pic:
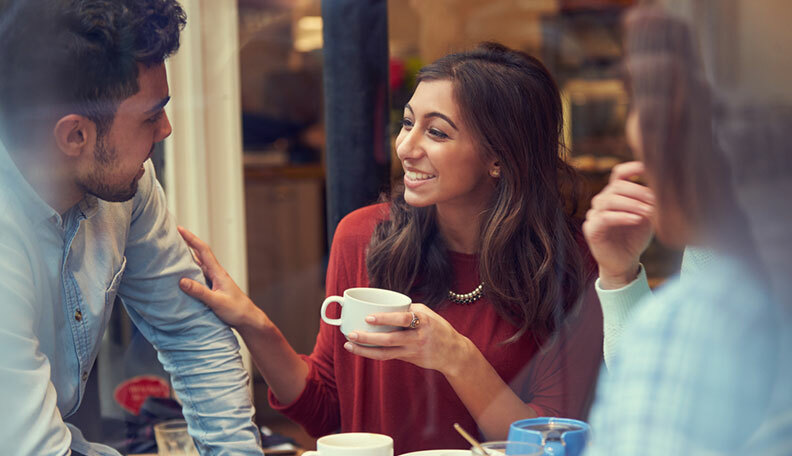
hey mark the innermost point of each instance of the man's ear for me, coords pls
(74, 134)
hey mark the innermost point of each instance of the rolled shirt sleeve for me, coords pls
(199, 351)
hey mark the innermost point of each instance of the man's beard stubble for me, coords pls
(97, 183)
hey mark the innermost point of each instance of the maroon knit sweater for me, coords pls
(416, 406)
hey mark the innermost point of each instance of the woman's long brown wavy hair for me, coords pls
(530, 255)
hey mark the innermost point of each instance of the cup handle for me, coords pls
(330, 299)
(553, 449)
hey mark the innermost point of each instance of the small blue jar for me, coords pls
(558, 436)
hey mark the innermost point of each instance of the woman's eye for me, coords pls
(437, 133)
(406, 123)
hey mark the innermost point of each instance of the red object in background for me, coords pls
(132, 393)
(396, 74)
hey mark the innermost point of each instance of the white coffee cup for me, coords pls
(353, 444)
(359, 303)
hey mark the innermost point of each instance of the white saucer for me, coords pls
(438, 453)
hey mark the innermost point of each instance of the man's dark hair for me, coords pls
(59, 57)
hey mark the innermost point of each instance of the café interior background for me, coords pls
(245, 167)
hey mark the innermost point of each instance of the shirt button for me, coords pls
(78, 315)
(85, 376)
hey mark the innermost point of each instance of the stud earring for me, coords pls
(495, 172)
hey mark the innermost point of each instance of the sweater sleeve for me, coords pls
(562, 375)
(617, 305)
(317, 408)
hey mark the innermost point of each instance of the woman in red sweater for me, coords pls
(481, 234)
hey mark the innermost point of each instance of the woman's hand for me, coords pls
(618, 226)
(225, 298)
(432, 344)
(282, 368)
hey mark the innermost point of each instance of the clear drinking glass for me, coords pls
(508, 448)
(173, 440)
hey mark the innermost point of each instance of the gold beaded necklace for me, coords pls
(467, 298)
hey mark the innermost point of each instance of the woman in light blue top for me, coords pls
(701, 366)
(618, 229)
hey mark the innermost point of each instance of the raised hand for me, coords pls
(225, 298)
(618, 226)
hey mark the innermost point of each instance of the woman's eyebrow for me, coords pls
(434, 114)
(444, 117)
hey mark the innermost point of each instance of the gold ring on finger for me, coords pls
(415, 321)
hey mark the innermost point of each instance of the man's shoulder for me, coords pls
(147, 188)
(124, 213)
(15, 225)
(20, 256)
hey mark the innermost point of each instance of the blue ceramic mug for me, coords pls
(558, 436)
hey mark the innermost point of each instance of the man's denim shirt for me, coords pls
(59, 278)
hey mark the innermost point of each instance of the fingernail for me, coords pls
(348, 346)
(184, 284)
(353, 335)
(370, 319)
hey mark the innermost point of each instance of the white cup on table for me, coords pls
(353, 444)
(358, 303)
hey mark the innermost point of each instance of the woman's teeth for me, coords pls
(413, 175)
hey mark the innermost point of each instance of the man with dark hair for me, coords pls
(83, 221)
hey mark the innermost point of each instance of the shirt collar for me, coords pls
(89, 205)
(15, 183)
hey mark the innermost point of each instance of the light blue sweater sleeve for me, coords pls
(618, 304)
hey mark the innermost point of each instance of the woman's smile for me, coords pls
(415, 179)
